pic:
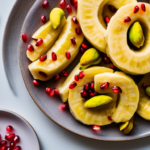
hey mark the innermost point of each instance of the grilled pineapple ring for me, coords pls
(129, 98)
(76, 102)
(92, 21)
(134, 62)
(144, 103)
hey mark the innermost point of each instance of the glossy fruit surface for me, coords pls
(43, 58)
(43, 18)
(24, 37)
(9, 128)
(10, 137)
(45, 3)
(68, 55)
(54, 56)
(69, 9)
(39, 42)
(35, 82)
(62, 4)
(30, 48)
(73, 85)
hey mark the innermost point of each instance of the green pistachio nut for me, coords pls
(98, 101)
(148, 90)
(136, 35)
(56, 17)
(90, 57)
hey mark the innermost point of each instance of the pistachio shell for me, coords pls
(136, 35)
(148, 90)
(98, 101)
(56, 17)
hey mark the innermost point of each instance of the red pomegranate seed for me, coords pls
(12, 145)
(87, 87)
(43, 58)
(17, 148)
(39, 42)
(54, 56)
(92, 85)
(30, 48)
(76, 5)
(78, 31)
(4, 148)
(96, 128)
(48, 90)
(57, 77)
(107, 20)
(112, 67)
(69, 9)
(24, 37)
(110, 118)
(82, 50)
(106, 60)
(10, 137)
(35, 82)
(144, 85)
(76, 77)
(56, 91)
(16, 139)
(74, 19)
(43, 74)
(136, 9)
(65, 73)
(84, 45)
(81, 75)
(43, 19)
(127, 19)
(143, 7)
(105, 85)
(116, 89)
(63, 106)
(68, 55)
(112, 8)
(45, 3)
(84, 94)
(52, 93)
(9, 128)
(73, 40)
(92, 94)
(72, 2)
(72, 85)
(3, 142)
(62, 4)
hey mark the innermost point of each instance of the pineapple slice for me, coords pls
(128, 99)
(92, 21)
(144, 103)
(49, 36)
(47, 69)
(134, 62)
(76, 102)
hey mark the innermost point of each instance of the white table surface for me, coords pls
(51, 136)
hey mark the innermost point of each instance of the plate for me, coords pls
(28, 137)
(50, 106)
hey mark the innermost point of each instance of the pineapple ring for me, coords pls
(76, 102)
(128, 99)
(134, 62)
(144, 103)
(92, 21)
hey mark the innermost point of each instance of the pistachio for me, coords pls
(136, 35)
(56, 17)
(98, 101)
(148, 90)
(89, 58)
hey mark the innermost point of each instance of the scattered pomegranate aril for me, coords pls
(54, 56)
(57, 77)
(24, 37)
(30, 48)
(43, 19)
(9, 128)
(76, 5)
(92, 94)
(78, 31)
(127, 19)
(105, 85)
(92, 85)
(84, 94)
(72, 2)
(72, 85)
(39, 42)
(16, 139)
(74, 19)
(68, 55)
(10, 137)
(143, 7)
(110, 118)
(12, 145)
(116, 89)
(62, 4)
(96, 128)
(3, 142)
(73, 41)
(48, 90)
(52, 93)
(4, 148)
(69, 9)
(56, 92)
(35, 82)
(106, 60)
(65, 73)
(144, 85)
(82, 50)
(112, 67)
(84, 45)
(45, 3)
(43, 58)
(43, 74)
(63, 106)
(136, 9)
(107, 20)
(81, 75)
(87, 87)
(17, 148)
(76, 77)
(112, 8)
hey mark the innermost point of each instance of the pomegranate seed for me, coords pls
(54, 56)
(30, 48)
(136, 9)
(106, 60)
(107, 20)
(45, 3)
(78, 31)
(12, 145)
(76, 77)
(39, 42)
(43, 74)
(48, 90)
(144, 85)
(24, 37)
(10, 137)
(81, 75)
(65, 73)
(112, 8)
(84, 94)
(127, 19)
(62, 4)
(96, 128)
(72, 2)
(17, 148)
(92, 85)
(56, 91)
(110, 118)
(84, 45)
(16, 139)
(82, 50)
(9, 128)
(52, 93)
(4, 148)
(2, 143)
(105, 85)
(73, 85)
(69, 9)
(43, 58)
(74, 19)
(68, 55)
(63, 106)
(143, 7)
(43, 19)
(76, 5)
(112, 67)
(73, 40)
(92, 94)
(35, 82)
(87, 87)
(116, 89)
(57, 77)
